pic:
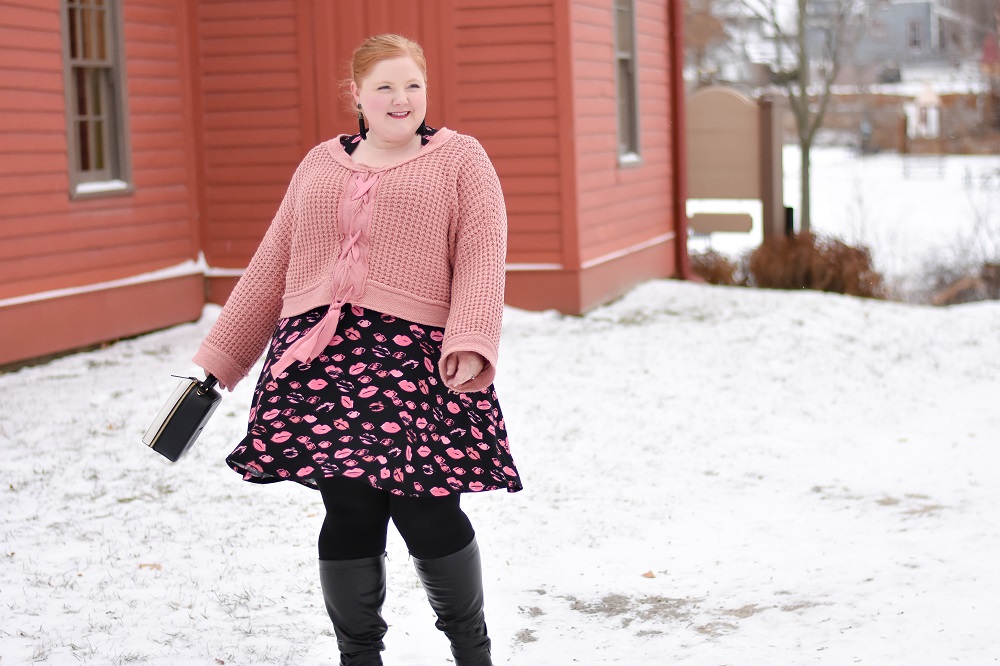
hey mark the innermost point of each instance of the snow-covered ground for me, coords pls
(713, 476)
(912, 212)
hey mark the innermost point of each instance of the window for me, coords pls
(98, 158)
(914, 34)
(625, 72)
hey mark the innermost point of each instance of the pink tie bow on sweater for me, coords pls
(349, 274)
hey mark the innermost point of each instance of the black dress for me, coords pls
(371, 406)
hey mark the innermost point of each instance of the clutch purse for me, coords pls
(181, 420)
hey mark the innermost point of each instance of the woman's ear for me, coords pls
(354, 93)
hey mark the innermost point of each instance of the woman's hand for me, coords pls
(462, 367)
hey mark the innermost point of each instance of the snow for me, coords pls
(803, 478)
(911, 211)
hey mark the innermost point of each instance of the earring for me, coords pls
(361, 124)
(422, 130)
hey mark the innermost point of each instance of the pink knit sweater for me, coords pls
(424, 240)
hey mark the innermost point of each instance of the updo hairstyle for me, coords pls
(384, 47)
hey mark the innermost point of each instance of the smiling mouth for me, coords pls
(398, 114)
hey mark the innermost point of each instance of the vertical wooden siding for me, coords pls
(504, 80)
(48, 241)
(621, 206)
(254, 126)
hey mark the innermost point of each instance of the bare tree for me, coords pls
(812, 39)
(716, 34)
(703, 32)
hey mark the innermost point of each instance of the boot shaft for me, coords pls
(354, 591)
(454, 587)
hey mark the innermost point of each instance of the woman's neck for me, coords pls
(376, 153)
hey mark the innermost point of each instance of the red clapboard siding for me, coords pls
(620, 206)
(25, 60)
(106, 261)
(47, 239)
(540, 14)
(514, 72)
(70, 242)
(22, 81)
(236, 44)
(41, 162)
(506, 96)
(250, 82)
(254, 62)
(37, 18)
(35, 183)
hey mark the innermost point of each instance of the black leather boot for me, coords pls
(354, 591)
(454, 586)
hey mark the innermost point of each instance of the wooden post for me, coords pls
(771, 168)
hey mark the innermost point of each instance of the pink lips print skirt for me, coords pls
(372, 407)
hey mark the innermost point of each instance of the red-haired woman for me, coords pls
(377, 294)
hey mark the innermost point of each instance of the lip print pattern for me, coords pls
(373, 407)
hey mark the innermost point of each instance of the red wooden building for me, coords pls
(145, 144)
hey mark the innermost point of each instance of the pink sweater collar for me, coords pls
(336, 151)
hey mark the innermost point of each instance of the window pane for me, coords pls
(98, 144)
(80, 83)
(623, 28)
(624, 95)
(86, 23)
(83, 139)
(74, 36)
(624, 25)
(96, 98)
(100, 33)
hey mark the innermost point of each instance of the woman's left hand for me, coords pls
(462, 367)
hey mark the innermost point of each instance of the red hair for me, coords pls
(385, 47)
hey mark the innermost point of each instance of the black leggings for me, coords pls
(357, 519)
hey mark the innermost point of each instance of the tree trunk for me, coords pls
(804, 206)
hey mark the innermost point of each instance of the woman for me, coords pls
(380, 283)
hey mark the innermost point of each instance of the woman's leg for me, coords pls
(357, 517)
(431, 526)
(352, 567)
(440, 537)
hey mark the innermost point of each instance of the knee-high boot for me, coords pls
(354, 591)
(454, 586)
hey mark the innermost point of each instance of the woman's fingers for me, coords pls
(461, 368)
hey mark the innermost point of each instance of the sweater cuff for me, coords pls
(214, 362)
(474, 342)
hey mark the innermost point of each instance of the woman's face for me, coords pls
(393, 98)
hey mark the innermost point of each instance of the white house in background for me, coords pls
(913, 39)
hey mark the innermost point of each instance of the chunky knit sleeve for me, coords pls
(479, 252)
(246, 322)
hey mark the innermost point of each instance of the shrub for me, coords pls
(806, 261)
(951, 286)
(716, 268)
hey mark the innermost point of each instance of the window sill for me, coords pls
(101, 188)
(629, 160)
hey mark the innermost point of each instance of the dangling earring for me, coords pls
(422, 130)
(361, 124)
